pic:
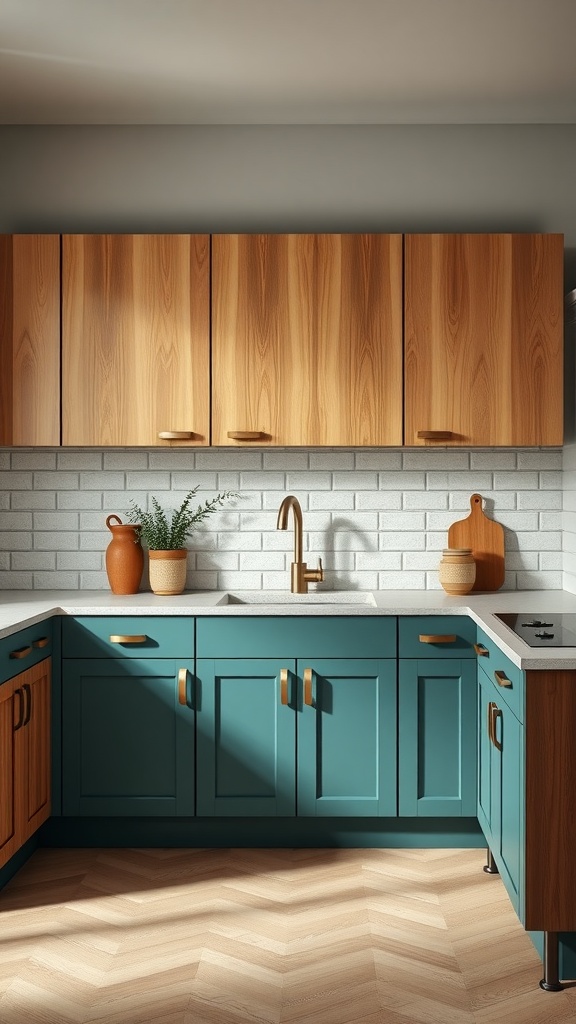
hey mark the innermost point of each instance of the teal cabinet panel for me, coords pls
(347, 739)
(246, 737)
(127, 743)
(504, 673)
(317, 636)
(25, 648)
(501, 786)
(437, 738)
(164, 636)
(416, 635)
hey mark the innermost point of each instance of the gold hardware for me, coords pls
(440, 638)
(491, 706)
(502, 679)
(308, 687)
(120, 638)
(481, 651)
(283, 685)
(434, 435)
(245, 435)
(43, 641)
(496, 713)
(28, 694)
(21, 652)
(183, 686)
(175, 435)
(300, 574)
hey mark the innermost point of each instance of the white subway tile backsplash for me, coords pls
(379, 518)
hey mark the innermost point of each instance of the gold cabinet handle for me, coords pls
(490, 706)
(43, 641)
(284, 686)
(437, 638)
(175, 435)
(134, 638)
(183, 686)
(481, 651)
(434, 435)
(502, 679)
(245, 435)
(21, 652)
(308, 687)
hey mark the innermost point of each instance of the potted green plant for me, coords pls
(165, 533)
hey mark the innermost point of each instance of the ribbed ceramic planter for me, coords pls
(457, 570)
(168, 571)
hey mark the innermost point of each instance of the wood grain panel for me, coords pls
(136, 337)
(307, 338)
(30, 340)
(37, 738)
(550, 800)
(7, 806)
(484, 337)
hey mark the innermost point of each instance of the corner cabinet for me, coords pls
(135, 340)
(29, 340)
(128, 717)
(484, 339)
(294, 731)
(307, 339)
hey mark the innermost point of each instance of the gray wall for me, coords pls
(325, 177)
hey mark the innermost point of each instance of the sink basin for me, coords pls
(276, 597)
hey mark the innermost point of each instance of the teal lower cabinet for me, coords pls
(501, 785)
(286, 737)
(127, 737)
(437, 737)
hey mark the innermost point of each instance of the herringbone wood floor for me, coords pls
(294, 936)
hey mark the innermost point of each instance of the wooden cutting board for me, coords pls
(486, 538)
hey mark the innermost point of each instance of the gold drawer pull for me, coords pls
(502, 679)
(308, 687)
(22, 652)
(43, 641)
(183, 686)
(245, 435)
(434, 435)
(481, 651)
(175, 435)
(437, 638)
(284, 686)
(135, 638)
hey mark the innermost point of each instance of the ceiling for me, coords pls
(287, 61)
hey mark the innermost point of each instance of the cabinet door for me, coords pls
(29, 340)
(33, 750)
(128, 742)
(437, 738)
(484, 338)
(135, 347)
(8, 768)
(246, 737)
(307, 339)
(347, 738)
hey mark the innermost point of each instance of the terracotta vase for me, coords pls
(124, 557)
(168, 571)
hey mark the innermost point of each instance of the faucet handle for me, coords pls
(314, 575)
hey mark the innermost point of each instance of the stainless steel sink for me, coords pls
(277, 597)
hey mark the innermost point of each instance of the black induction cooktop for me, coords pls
(554, 629)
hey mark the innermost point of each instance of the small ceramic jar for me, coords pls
(457, 570)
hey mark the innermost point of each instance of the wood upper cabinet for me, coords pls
(307, 339)
(135, 339)
(484, 339)
(29, 340)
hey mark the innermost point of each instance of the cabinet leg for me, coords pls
(490, 866)
(551, 981)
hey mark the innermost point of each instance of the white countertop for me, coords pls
(24, 608)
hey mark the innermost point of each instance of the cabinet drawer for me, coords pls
(105, 636)
(436, 636)
(25, 648)
(334, 636)
(508, 678)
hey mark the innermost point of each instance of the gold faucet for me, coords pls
(300, 575)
